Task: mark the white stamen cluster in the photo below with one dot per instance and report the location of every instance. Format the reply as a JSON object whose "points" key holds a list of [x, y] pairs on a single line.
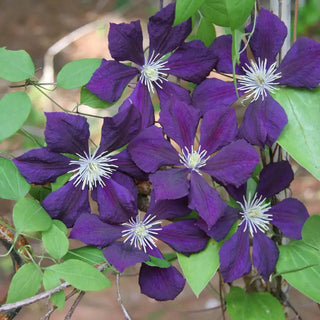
{"points": [[259, 80], [92, 168], [254, 214], [141, 233], [193, 160], [152, 72]]}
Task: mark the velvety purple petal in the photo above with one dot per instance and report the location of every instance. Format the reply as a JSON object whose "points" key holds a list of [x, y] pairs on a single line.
{"points": [[263, 122], [274, 178], [192, 61], [213, 93], [170, 184], [125, 42], [160, 283], [41, 165], [218, 128], [301, 65], [264, 254], [110, 79], [268, 36], [180, 122], [223, 225], [233, 164], [122, 255], [149, 150], [67, 133], [163, 37], [289, 216], [67, 203], [236, 193], [205, 200], [235, 256], [120, 129], [183, 236], [91, 230]]}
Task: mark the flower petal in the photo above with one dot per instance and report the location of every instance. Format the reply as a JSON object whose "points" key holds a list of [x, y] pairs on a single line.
{"points": [[67, 133], [170, 184], [91, 230], [110, 79], [289, 216], [233, 164], [163, 37], [67, 203], [301, 65], [263, 122], [264, 254], [235, 256], [205, 200], [125, 42]]}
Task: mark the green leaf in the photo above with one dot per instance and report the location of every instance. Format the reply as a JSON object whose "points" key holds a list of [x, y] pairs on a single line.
{"points": [[76, 74], [185, 9], [61, 226], [29, 216], [300, 137], [25, 283], [227, 13], [158, 262], [196, 268], [61, 181], [55, 242], [81, 275], [257, 305], [14, 110], [12, 185], [91, 100], [39, 192], [88, 254], [50, 281], [310, 231], [15, 65], [206, 31]]}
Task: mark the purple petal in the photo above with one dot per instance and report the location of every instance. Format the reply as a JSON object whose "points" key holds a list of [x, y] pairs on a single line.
{"points": [[193, 61], [264, 254], [180, 122], [235, 256], [301, 65], [218, 128], [170, 184], [163, 37], [233, 164], [149, 150], [67, 203], [110, 79], [289, 216], [274, 178], [263, 122], [125, 42], [213, 93], [205, 200], [91, 230], [122, 255], [41, 166], [120, 129], [67, 133], [183, 236], [160, 283], [236, 193], [268, 36]]}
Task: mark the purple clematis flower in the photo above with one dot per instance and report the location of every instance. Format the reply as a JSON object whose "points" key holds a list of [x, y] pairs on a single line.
{"points": [[193, 164], [259, 77], [191, 61], [135, 240], [256, 214], [107, 176]]}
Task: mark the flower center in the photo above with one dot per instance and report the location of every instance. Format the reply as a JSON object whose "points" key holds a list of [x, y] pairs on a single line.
{"points": [[92, 168], [152, 72], [141, 233], [254, 214], [193, 160], [258, 80]]}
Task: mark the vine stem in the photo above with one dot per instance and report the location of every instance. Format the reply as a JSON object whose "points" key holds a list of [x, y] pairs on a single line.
{"points": [[126, 315], [296, 7]]}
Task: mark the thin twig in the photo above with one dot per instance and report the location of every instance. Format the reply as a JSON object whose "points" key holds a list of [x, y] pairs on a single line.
{"points": [[296, 8], [74, 305], [161, 4], [221, 292], [126, 315]]}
